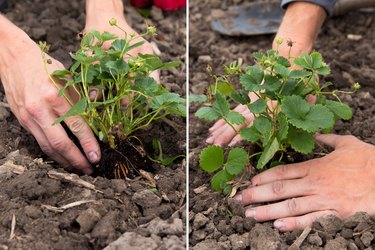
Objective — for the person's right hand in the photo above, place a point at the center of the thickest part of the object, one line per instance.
(34, 101)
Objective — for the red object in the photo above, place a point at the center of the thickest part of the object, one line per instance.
(142, 4)
(170, 4)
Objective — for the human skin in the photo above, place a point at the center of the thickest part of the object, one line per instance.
(33, 97)
(340, 183)
(301, 24)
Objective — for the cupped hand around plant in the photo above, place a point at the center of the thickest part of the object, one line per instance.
(101, 24)
(340, 183)
(34, 101)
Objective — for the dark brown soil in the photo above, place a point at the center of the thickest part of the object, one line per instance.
(145, 217)
(216, 222)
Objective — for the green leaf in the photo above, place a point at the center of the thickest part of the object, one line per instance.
(283, 61)
(211, 158)
(240, 97)
(197, 98)
(317, 60)
(221, 105)
(235, 118)
(252, 79)
(342, 110)
(268, 153)
(61, 72)
(225, 88)
(258, 107)
(258, 55)
(282, 132)
(264, 126)
(319, 117)
(172, 64)
(133, 46)
(165, 98)
(87, 40)
(271, 83)
(120, 66)
(281, 70)
(298, 74)
(237, 160)
(250, 134)
(304, 61)
(118, 44)
(301, 141)
(207, 113)
(106, 36)
(324, 70)
(295, 107)
(77, 109)
(220, 179)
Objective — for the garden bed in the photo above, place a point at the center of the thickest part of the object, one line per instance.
(216, 222)
(35, 190)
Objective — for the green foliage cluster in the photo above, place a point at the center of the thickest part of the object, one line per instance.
(290, 122)
(127, 98)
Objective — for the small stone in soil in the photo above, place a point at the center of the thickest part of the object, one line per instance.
(146, 199)
(338, 243)
(314, 239)
(331, 224)
(367, 238)
(347, 233)
(199, 221)
(239, 241)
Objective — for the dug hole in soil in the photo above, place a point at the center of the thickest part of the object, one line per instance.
(216, 222)
(35, 191)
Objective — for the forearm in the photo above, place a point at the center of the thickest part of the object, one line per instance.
(97, 7)
(301, 24)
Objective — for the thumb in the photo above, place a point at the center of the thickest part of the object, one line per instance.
(334, 141)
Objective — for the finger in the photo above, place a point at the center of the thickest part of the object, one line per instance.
(335, 141)
(277, 190)
(217, 125)
(235, 140)
(44, 144)
(156, 75)
(240, 109)
(300, 222)
(225, 134)
(95, 94)
(311, 99)
(282, 172)
(85, 136)
(286, 208)
(61, 144)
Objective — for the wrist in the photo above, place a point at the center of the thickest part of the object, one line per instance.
(97, 8)
(301, 24)
(13, 43)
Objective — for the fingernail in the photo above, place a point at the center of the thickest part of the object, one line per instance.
(92, 94)
(238, 197)
(93, 157)
(279, 224)
(210, 140)
(250, 213)
(88, 171)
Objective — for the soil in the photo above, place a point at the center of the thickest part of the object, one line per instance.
(216, 222)
(44, 207)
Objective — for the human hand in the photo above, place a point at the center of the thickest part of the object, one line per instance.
(98, 14)
(340, 183)
(35, 102)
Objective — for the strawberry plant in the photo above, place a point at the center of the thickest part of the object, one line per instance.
(127, 98)
(284, 120)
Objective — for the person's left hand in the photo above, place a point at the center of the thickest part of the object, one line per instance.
(340, 183)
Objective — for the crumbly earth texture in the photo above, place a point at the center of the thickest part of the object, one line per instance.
(216, 222)
(42, 206)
